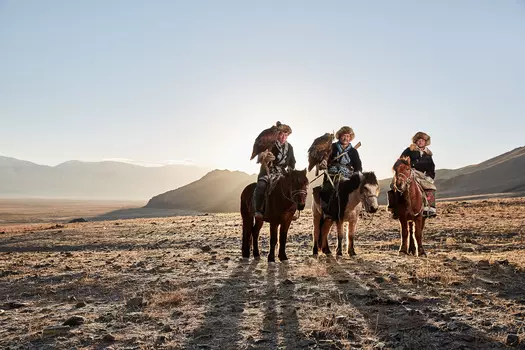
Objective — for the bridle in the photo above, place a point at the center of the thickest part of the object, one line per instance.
(406, 193)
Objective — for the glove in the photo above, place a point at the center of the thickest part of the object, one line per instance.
(323, 165)
(266, 157)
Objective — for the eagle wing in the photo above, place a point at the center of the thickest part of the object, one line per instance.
(320, 150)
(265, 140)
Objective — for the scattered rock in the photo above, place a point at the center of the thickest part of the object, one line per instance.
(136, 302)
(80, 304)
(77, 220)
(55, 331)
(206, 248)
(287, 282)
(74, 321)
(13, 305)
(512, 340)
(108, 338)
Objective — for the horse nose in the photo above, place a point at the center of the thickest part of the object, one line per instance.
(373, 209)
(300, 206)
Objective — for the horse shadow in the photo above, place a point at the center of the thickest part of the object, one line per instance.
(396, 318)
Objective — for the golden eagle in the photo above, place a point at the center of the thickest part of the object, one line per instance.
(265, 140)
(319, 150)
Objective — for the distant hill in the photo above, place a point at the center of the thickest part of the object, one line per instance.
(91, 180)
(502, 175)
(219, 191)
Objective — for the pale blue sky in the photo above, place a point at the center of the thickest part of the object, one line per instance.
(161, 81)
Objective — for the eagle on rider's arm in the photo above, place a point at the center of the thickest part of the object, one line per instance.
(265, 140)
(320, 150)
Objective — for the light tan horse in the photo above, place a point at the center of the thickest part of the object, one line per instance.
(346, 204)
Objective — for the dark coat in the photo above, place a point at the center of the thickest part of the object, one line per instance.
(289, 162)
(423, 163)
(355, 160)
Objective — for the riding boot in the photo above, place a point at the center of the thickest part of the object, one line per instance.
(392, 207)
(258, 199)
(431, 200)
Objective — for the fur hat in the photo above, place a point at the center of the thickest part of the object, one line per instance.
(345, 130)
(283, 128)
(421, 135)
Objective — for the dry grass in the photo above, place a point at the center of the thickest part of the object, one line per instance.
(197, 293)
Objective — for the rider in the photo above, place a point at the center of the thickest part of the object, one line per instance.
(280, 159)
(342, 162)
(425, 172)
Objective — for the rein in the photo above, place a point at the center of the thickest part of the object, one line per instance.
(293, 193)
(409, 179)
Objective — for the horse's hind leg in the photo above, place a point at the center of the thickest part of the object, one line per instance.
(283, 236)
(352, 226)
(255, 237)
(273, 242)
(325, 230)
(340, 233)
(419, 237)
(318, 223)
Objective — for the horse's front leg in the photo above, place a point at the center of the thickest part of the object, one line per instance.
(283, 236)
(340, 234)
(247, 226)
(273, 241)
(352, 226)
(325, 230)
(411, 239)
(404, 235)
(419, 236)
(255, 238)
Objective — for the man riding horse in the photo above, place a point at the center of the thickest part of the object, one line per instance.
(279, 160)
(344, 160)
(424, 171)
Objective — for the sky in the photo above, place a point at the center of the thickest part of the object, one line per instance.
(195, 82)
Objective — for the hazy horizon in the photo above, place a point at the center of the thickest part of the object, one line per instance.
(181, 82)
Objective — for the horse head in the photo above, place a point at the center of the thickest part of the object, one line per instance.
(368, 191)
(298, 187)
(403, 174)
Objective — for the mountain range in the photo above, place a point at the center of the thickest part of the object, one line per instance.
(92, 180)
(219, 190)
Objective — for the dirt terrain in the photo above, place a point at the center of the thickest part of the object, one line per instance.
(179, 283)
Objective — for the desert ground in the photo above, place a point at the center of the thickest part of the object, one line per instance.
(180, 283)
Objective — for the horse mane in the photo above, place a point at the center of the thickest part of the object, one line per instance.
(369, 178)
(401, 160)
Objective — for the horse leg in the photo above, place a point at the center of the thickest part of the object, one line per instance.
(283, 235)
(247, 225)
(255, 238)
(412, 242)
(404, 235)
(318, 223)
(325, 230)
(352, 225)
(419, 236)
(273, 241)
(340, 229)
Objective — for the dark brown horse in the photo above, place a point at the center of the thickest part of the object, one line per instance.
(288, 196)
(409, 203)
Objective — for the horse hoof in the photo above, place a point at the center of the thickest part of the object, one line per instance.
(257, 257)
(352, 253)
(283, 258)
(402, 252)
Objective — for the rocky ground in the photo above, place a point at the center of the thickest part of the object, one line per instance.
(180, 283)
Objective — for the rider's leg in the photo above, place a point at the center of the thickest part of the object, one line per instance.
(431, 200)
(258, 197)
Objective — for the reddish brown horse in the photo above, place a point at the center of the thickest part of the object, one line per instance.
(409, 203)
(288, 196)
